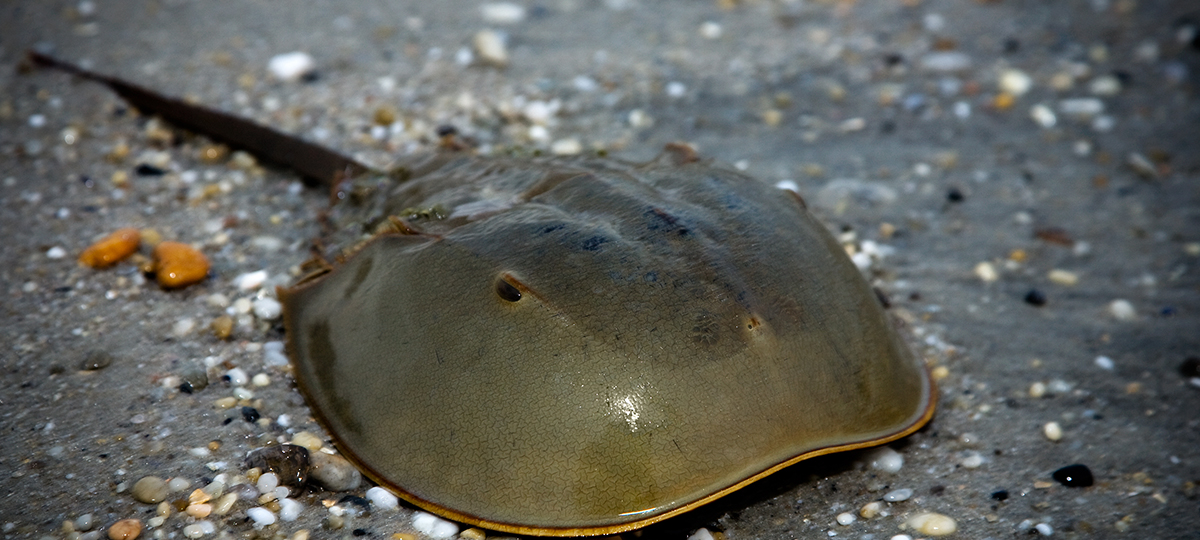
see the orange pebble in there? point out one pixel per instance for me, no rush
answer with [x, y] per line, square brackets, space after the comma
[112, 249]
[126, 529]
[179, 265]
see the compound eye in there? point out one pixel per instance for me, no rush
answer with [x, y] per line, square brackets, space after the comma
[506, 290]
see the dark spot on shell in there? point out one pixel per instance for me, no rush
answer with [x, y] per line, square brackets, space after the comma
[593, 243]
[289, 462]
[507, 291]
[1077, 475]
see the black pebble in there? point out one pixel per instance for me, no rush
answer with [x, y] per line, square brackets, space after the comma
[937, 490]
[250, 414]
[148, 170]
[1190, 367]
[1001, 495]
[1035, 298]
[1076, 475]
[955, 195]
[186, 387]
[360, 502]
[289, 462]
[446, 130]
[95, 359]
[360, 532]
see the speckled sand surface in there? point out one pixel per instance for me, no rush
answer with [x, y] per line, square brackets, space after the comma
[935, 115]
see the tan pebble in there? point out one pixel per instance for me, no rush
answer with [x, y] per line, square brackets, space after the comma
[213, 153]
[253, 474]
[1063, 277]
[1052, 431]
[333, 472]
[224, 504]
[1133, 388]
[472, 534]
[301, 534]
[225, 402]
[1042, 484]
[933, 524]
[307, 440]
[1037, 390]
[111, 250]
[163, 509]
[385, 115]
[199, 496]
[403, 536]
[242, 160]
[940, 372]
[179, 265]
[214, 445]
[120, 179]
[150, 489]
[772, 117]
[870, 510]
[126, 529]
[490, 48]
[886, 230]
[1018, 255]
[198, 511]
[151, 237]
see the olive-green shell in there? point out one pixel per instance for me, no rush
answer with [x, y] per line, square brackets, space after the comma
[681, 330]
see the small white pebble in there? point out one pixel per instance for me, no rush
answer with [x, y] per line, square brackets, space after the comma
[898, 495]
[1122, 310]
[933, 524]
[241, 306]
[178, 484]
[382, 498]
[433, 526]
[986, 272]
[291, 66]
[37, 120]
[217, 300]
[676, 89]
[56, 252]
[566, 147]
[871, 509]
[490, 47]
[1105, 363]
[902, 537]
[267, 482]
[237, 377]
[973, 460]
[1015, 82]
[845, 518]
[289, 509]
[260, 380]
[1044, 529]
[701, 534]
[1037, 390]
[1052, 431]
[1063, 277]
[885, 459]
[267, 309]
[183, 326]
[710, 30]
[502, 13]
[1043, 116]
[788, 184]
[261, 516]
[250, 281]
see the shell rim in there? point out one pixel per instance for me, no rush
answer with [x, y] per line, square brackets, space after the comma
[929, 388]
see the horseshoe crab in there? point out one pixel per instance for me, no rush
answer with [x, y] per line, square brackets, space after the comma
[576, 346]
[586, 346]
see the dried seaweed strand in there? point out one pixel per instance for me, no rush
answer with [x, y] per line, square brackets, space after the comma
[310, 160]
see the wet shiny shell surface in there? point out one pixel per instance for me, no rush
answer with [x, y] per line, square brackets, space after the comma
[588, 346]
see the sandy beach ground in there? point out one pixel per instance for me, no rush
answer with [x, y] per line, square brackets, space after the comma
[1021, 178]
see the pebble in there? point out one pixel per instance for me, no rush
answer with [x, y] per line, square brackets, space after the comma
[433, 526]
[933, 524]
[150, 490]
[710, 30]
[85, 522]
[1037, 390]
[1082, 108]
[1015, 82]
[237, 377]
[382, 498]
[701, 534]
[261, 516]
[267, 482]
[490, 47]
[986, 272]
[56, 252]
[289, 509]
[502, 13]
[179, 265]
[112, 249]
[308, 440]
[333, 472]
[1077, 475]
[885, 459]
[199, 528]
[1035, 298]
[1105, 85]
[95, 359]
[286, 464]
[126, 529]
[973, 460]
[871, 509]
[945, 61]
[566, 147]
[1122, 310]
[1063, 277]
[845, 518]
[267, 309]
[1052, 431]
[177, 484]
[224, 504]
[249, 281]
[1043, 116]
[291, 66]
[1044, 529]
[898, 495]
[1105, 363]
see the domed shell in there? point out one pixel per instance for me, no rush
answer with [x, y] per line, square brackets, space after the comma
[589, 346]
